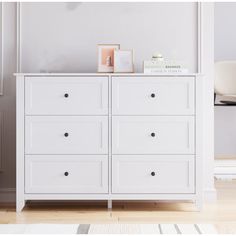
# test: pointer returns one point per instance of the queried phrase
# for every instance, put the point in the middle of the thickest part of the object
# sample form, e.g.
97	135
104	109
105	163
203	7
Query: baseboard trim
7	195
225	169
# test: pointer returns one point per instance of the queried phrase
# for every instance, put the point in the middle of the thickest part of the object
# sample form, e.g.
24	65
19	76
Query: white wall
225	35
225	131
225	49
63	37
7	104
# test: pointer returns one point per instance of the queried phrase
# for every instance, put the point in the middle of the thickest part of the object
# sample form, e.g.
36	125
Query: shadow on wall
72	5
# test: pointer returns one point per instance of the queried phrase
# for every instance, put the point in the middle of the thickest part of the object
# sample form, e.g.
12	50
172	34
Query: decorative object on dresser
106	57
160	65
123	61
157	56
109	137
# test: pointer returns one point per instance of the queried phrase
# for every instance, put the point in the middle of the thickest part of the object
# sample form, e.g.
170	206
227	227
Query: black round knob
66	134
153	134
66	173
153	173
153	95
66	95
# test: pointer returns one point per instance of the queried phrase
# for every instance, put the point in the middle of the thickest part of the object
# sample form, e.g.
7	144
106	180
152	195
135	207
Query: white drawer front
153	96
66	95
153	135
66	174
156	174
66	135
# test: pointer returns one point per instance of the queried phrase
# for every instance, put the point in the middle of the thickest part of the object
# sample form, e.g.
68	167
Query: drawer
66	95
155	174
66	174
66	135
153	96
153	135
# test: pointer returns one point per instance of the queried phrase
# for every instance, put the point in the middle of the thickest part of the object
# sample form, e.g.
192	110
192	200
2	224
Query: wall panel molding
206	66
43	55
1	46
7	101
7	195
18	35
1	140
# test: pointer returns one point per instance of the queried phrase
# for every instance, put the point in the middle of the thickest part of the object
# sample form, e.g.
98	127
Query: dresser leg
199	204
109	204
20	205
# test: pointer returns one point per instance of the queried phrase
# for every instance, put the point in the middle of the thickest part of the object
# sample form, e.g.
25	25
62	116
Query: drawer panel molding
66	135
159	174
66	96
153	96
153	135
66	174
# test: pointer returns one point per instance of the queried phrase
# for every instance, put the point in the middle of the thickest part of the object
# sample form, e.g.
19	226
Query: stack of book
156	66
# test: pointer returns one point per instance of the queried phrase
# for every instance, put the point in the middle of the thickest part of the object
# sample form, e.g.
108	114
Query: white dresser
109	137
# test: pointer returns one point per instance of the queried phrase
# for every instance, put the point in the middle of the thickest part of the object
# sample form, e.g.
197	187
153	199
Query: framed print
123	61
106	57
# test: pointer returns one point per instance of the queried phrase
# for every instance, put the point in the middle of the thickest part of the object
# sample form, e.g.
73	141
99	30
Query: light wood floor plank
221	213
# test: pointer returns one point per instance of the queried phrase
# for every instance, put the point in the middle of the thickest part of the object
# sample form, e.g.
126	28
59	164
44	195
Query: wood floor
222	213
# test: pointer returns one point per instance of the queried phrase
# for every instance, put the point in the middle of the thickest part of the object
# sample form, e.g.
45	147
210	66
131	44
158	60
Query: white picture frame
106	57
123	61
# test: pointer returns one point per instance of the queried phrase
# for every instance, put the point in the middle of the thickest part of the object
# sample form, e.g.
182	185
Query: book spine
157	70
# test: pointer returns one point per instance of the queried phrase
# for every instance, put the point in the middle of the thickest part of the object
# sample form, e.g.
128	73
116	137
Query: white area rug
107	229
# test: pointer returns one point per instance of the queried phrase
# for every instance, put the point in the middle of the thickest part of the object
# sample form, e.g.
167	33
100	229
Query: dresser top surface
108	74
